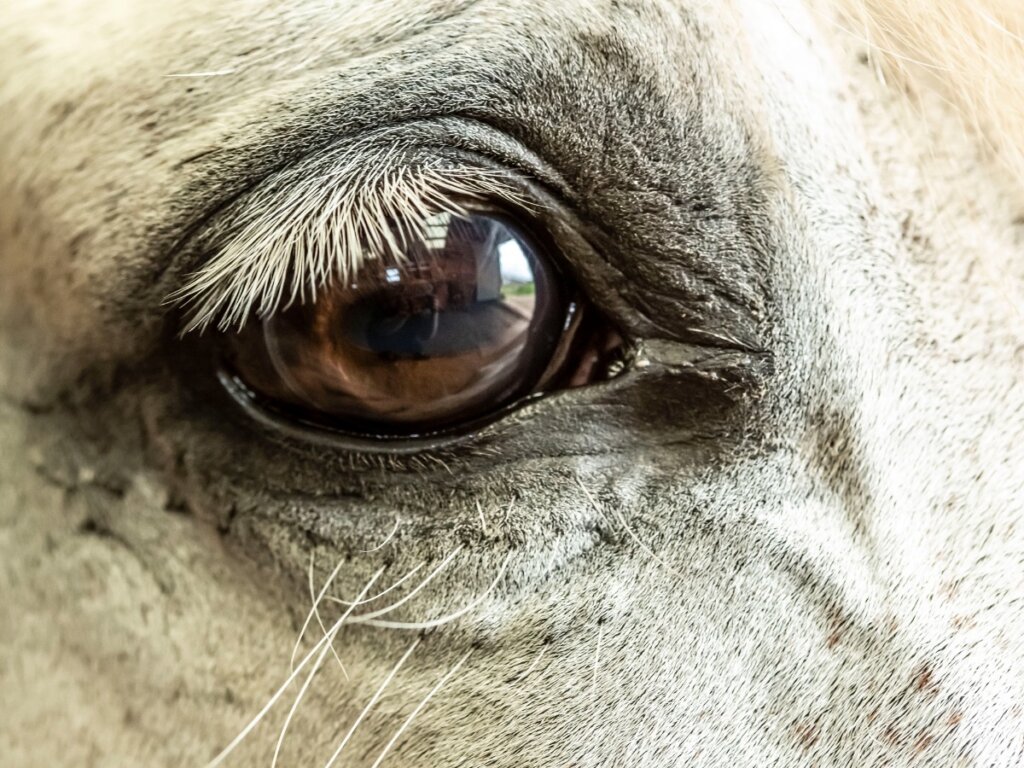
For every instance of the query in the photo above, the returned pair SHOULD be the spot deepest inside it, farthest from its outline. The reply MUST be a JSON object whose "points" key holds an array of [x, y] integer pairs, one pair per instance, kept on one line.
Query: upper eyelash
{"points": [[300, 230]]}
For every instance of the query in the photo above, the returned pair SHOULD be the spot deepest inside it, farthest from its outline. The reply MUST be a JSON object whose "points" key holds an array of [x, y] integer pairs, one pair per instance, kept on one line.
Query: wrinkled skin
{"points": [[788, 535]]}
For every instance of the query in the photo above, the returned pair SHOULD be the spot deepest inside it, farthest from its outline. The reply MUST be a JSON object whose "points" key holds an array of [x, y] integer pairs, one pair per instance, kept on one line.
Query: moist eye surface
{"points": [[455, 320]]}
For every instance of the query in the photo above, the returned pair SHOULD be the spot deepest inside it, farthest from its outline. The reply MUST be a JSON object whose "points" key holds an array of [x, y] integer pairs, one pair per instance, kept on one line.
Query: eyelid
{"points": [[324, 217]]}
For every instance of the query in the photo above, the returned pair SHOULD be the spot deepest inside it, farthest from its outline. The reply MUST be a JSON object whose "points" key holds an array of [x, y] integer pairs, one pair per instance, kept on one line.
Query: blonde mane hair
{"points": [[973, 50]]}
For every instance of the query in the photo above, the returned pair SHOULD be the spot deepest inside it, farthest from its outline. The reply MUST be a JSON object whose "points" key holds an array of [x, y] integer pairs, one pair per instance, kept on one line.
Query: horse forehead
{"points": [[162, 84], [177, 64]]}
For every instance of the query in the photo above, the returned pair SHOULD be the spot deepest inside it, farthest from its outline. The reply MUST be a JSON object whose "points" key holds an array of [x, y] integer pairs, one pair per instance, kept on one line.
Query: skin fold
{"points": [[788, 534]]}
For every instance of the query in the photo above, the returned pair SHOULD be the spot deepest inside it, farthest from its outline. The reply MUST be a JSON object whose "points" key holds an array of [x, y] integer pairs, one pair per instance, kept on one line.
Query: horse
{"points": [[469, 383]]}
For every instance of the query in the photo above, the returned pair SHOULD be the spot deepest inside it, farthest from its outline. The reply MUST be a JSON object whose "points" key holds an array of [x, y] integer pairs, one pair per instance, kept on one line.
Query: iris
{"points": [[459, 319]]}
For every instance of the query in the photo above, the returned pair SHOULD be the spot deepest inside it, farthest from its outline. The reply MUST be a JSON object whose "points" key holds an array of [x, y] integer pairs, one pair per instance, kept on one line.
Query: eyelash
{"points": [[301, 229]]}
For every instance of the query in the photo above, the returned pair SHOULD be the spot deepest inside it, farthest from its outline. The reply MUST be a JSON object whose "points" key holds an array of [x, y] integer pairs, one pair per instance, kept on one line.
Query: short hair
{"points": [[971, 49]]}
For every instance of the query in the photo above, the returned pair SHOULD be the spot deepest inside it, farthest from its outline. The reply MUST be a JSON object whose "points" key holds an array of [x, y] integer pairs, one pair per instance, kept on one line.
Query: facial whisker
{"points": [[533, 665], [384, 543], [632, 534], [326, 639], [419, 708], [366, 617], [431, 624], [380, 594], [483, 521], [370, 704], [329, 645], [314, 610]]}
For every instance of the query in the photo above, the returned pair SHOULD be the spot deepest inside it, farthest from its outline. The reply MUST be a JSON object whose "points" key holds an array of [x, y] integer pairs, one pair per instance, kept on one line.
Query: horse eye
{"points": [[467, 316]]}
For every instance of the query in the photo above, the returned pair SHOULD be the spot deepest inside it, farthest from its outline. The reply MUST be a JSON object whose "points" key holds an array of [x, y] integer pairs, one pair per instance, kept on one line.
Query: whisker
{"points": [[419, 708], [365, 617], [483, 522], [314, 610], [388, 539], [371, 703], [210, 73], [419, 625], [329, 645], [533, 665], [380, 594], [326, 639]]}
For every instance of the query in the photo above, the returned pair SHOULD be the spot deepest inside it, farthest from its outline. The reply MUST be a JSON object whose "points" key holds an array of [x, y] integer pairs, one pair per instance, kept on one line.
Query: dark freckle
{"points": [[924, 740], [948, 590], [91, 527], [225, 525], [892, 736], [77, 243], [954, 720], [837, 624], [910, 232], [961, 623], [806, 734], [59, 113], [924, 681]]}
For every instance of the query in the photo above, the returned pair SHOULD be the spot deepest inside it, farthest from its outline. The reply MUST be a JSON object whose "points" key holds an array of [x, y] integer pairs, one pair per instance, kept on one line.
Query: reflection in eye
{"points": [[467, 315]]}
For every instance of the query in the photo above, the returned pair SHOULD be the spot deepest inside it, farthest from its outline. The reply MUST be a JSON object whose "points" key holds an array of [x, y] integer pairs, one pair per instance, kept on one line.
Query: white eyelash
{"points": [[301, 232]]}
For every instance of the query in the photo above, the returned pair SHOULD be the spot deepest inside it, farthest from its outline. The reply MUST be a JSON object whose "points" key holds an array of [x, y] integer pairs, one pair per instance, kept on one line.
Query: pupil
{"points": [[469, 286]]}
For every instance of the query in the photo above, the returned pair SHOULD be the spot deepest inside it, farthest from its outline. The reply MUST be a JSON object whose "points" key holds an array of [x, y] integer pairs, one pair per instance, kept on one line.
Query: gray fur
{"points": [[787, 535]]}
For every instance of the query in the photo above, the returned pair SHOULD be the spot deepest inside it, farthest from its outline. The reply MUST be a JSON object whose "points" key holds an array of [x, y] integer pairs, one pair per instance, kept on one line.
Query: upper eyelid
{"points": [[280, 241]]}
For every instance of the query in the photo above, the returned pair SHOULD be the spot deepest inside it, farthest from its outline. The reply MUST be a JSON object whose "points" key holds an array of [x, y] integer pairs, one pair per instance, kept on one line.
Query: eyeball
{"points": [[468, 315]]}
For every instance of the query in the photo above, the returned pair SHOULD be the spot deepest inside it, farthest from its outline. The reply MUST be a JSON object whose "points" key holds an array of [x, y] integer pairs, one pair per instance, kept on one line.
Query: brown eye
{"points": [[467, 316]]}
